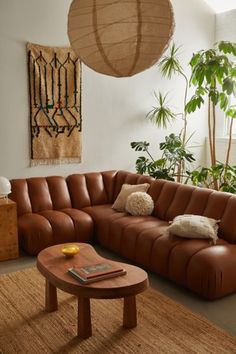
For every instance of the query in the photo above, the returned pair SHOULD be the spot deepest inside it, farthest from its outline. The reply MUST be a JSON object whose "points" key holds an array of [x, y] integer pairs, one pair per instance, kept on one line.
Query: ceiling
{"points": [[221, 5]]}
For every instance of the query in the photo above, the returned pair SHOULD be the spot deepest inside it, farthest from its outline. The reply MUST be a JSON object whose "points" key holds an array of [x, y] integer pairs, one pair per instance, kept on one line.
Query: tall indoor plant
{"points": [[175, 155], [214, 78]]}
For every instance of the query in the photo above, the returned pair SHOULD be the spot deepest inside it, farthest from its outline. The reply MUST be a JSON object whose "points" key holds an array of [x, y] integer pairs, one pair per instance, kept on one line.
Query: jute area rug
{"points": [[163, 325]]}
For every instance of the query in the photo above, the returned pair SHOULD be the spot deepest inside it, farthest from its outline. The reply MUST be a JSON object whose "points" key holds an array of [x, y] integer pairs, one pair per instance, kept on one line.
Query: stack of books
{"points": [[96, 272]]}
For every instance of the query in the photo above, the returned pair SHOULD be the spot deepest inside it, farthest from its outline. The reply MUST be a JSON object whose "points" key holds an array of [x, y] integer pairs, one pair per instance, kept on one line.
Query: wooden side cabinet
{"points": [[8, 230]]}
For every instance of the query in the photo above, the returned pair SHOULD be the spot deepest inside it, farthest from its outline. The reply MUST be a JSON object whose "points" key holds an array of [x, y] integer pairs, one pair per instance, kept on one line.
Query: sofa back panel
{"points": [[109, 178], [132, 178], [155, 190], [96, 188], [120, 179], [129, 178], [78, 191], [20, 195], [165, 199], [180, 201], [227, 226], [39, 194], [59, 192], [145, 179], [216, 205], [198, 201]]}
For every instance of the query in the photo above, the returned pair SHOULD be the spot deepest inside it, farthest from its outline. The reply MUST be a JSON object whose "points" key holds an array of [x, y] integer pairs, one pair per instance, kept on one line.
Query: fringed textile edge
{"points": [[60, 161]]}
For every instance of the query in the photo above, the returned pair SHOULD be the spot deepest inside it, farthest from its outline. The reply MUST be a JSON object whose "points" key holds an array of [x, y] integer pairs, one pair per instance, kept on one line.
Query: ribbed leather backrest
{"points": [[109, 178], [145, 179], [216, 205], [96, 188], [20, 194], [59, 192], [155, 190], [40, 193], [177, 199], [227, 228], [81, 190], [128, 178], [120, 179], [165, 199], [91, 188], [180, 201], [198, 201], [79, 195]]}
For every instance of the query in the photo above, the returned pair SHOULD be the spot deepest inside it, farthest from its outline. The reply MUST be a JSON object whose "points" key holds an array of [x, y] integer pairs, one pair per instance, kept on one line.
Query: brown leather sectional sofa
{"points": [[56, 210]]}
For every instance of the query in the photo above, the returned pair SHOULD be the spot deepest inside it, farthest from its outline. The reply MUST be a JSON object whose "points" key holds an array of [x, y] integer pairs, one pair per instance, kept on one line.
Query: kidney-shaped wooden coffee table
{"points": [[53, 265]]}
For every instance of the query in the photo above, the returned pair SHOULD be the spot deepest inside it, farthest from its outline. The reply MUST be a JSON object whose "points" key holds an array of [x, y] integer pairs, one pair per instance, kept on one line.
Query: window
{"points": [[233, 103]]}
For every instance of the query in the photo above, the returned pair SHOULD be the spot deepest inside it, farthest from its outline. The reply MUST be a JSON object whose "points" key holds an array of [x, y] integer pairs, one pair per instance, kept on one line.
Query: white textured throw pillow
{"points": [[139, 203], [194, 226], [125, 191]]}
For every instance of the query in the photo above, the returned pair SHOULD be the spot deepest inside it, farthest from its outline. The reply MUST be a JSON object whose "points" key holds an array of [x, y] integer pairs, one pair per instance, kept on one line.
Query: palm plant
{"points": [[170, 65], [161, 114], [173, 162]]}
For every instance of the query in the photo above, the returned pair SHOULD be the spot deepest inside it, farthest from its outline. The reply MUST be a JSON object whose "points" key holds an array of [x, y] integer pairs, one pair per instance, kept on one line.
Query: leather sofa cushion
{"points": [[83, 224], [59, 192], [20, 194], [102, 215], [35, 233], [210, 272], [49, 227], [91, 188]]}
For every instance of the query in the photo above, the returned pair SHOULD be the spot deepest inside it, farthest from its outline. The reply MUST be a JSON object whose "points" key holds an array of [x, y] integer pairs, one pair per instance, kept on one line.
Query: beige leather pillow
{"points": [[125, 191], [194, 226]]}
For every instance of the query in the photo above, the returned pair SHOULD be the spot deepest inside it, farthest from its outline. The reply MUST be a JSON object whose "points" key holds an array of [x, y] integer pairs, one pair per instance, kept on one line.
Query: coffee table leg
{"points": [[84, 318], [129, 312], [50, 297]]}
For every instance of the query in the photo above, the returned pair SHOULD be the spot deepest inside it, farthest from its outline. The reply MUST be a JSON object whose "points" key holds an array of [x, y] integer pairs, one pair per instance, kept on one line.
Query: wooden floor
{"points": [[222, 312]]}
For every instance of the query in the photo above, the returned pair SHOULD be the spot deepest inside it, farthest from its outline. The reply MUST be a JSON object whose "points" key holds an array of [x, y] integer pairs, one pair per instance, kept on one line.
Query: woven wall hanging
{"points": [[55, 105], [120, 38]]}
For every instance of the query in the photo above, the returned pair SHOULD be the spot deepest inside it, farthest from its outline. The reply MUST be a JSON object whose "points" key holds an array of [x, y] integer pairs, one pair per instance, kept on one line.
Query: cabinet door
{"points": [[8, 230]]}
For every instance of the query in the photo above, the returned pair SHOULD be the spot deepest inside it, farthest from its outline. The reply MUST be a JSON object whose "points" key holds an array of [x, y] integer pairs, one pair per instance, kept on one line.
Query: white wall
{"points": [[226, 26], [225, 31], [113, 109]]}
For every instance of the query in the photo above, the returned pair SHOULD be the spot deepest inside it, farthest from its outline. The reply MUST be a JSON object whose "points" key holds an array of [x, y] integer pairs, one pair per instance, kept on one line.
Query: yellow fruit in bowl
{"points": [[70, 250]]}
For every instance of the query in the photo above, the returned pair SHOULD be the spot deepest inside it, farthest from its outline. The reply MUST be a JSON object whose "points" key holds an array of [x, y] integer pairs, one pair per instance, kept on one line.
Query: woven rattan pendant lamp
{"points": [[120, 37]]}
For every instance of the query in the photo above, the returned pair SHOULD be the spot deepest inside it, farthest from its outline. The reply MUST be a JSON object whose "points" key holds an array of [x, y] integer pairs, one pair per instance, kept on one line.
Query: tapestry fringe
{"points": [[67, 160]]}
